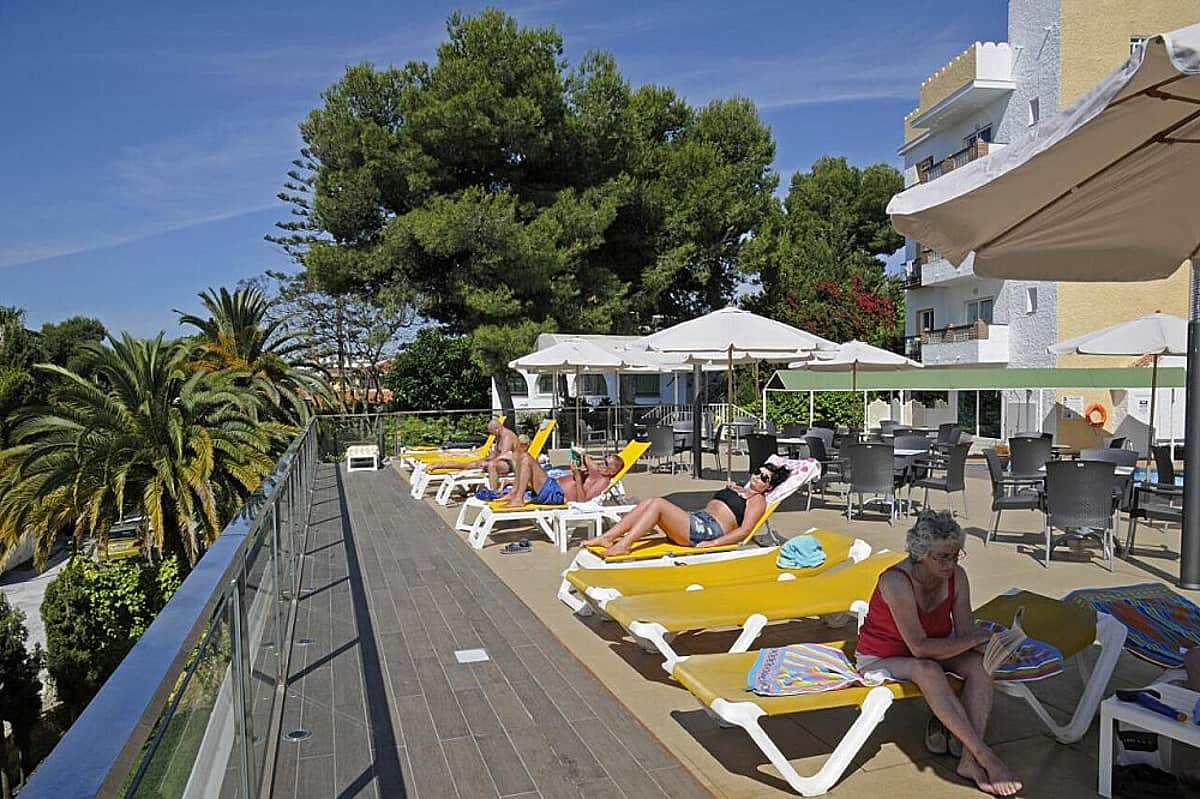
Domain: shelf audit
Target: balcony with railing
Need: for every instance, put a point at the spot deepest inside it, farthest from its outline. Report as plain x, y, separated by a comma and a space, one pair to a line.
977, 343
975, 78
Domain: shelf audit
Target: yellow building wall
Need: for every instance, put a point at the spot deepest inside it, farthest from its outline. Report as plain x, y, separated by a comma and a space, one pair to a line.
1095, 40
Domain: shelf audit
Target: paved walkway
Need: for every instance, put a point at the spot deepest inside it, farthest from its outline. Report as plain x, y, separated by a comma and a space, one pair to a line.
389, 596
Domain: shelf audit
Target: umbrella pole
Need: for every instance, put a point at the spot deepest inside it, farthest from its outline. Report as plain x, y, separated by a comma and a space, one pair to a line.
729, 411
1153, 399
1189, 543
578, 428
697, 424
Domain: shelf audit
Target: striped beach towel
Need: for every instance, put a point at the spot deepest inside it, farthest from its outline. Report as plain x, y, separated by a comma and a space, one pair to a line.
1033, 659
802, 669
1161, 623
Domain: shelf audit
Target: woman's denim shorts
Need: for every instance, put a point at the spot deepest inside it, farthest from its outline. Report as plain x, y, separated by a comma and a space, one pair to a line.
704, 527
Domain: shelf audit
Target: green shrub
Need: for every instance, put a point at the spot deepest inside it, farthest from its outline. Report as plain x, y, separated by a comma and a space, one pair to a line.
20, 694
94, 614
840, 407
436, 372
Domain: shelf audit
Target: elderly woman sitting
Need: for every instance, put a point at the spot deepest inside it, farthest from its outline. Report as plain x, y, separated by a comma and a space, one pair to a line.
919, 627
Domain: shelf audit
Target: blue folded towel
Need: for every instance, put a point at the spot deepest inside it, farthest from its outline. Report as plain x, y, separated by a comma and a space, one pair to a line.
801, 552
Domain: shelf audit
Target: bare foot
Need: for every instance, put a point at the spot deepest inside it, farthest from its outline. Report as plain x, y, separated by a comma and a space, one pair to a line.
620, 548
514, 501
971, 770
1003, 782
598, 541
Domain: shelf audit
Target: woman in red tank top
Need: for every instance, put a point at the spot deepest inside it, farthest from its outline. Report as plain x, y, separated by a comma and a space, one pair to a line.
919, 626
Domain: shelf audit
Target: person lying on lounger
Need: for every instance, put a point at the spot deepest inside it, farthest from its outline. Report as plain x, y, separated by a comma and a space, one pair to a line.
584, 483
919, 626
496, 463
726, 519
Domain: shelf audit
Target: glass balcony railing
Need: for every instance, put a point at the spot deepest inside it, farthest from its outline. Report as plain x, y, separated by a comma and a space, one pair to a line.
195, 706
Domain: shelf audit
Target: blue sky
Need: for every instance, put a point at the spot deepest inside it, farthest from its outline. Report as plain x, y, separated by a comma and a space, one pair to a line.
144, 142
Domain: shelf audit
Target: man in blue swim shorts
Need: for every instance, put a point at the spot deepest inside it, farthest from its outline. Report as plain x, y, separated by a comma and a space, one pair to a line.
586, 482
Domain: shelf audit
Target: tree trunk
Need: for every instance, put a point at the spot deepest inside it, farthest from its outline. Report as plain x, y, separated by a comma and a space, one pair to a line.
506, 400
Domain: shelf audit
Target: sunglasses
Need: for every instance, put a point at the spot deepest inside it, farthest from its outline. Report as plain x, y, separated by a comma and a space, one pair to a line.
764, 475
949, 557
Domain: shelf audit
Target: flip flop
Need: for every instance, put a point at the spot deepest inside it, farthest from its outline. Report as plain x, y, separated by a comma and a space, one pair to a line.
516, 548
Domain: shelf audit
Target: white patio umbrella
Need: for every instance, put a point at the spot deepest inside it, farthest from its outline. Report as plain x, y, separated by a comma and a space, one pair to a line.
855, 356
1155, 334
738, 335
578, 354
1103, 191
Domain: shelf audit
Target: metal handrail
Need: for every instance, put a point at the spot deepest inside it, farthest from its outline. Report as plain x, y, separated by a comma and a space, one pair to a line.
103, 747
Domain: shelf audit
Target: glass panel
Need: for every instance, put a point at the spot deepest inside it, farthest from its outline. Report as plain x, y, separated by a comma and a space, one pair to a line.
593, 386
197, 739
263, 622
545, 384
645, 385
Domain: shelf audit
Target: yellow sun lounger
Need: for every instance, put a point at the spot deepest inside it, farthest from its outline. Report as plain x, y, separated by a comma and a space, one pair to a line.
719, 682
660, 549
586, 589
469, 478
479, 528
654, 619
417, 457
425, 477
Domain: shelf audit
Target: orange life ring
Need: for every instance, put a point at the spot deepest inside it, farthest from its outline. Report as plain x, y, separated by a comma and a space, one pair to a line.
1096, 415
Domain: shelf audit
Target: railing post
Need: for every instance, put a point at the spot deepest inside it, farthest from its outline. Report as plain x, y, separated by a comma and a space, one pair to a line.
244, 730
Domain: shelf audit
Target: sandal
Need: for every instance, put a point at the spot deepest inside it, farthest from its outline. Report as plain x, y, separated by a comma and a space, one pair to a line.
936, 737
516, 548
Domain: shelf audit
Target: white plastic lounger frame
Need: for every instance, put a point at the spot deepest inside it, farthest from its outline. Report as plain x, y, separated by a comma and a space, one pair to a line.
422, 479
1110, 635
548, 518
653, 637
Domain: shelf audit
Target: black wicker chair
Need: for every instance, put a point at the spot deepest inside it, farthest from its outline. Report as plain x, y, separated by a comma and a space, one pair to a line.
871, 472
1079, 501
833, 469
1161, 501
662, 447
1009, 493
953, 480
1027, 455
760, 447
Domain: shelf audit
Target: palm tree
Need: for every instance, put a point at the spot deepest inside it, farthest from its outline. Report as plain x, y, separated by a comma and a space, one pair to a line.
148, 435
238, 336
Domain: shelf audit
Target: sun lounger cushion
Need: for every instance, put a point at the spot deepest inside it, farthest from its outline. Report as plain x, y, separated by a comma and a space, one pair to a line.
678, 575
803, 669
1160, 621
723, 676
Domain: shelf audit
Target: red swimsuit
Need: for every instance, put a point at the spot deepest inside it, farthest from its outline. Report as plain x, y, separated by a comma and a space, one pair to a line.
879, 636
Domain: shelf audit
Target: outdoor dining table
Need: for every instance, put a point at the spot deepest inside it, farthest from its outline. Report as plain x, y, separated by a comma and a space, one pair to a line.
793, 445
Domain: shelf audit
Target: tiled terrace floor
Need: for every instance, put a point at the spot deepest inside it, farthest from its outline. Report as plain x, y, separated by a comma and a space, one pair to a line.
389, 595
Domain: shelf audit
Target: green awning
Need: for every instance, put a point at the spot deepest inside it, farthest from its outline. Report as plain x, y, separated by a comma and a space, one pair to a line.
972, 379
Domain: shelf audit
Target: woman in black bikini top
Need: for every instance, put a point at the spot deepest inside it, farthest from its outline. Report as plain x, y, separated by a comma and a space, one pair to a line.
726, 519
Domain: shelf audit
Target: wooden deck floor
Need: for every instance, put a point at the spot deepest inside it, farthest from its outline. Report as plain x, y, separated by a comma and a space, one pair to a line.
389, 596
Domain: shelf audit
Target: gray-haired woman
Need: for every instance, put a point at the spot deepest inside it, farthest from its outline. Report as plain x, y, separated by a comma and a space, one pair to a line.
919, 626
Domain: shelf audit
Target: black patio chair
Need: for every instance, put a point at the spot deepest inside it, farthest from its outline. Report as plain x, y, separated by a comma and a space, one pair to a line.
760, 447
1079, 501
793, 430
1122, 483
826, 435
1118, 442
662, 447
1165, 465
906, 467
947, 436
833, 469
872, 473
1009, 493
1028, 455
1153, 502
954, 477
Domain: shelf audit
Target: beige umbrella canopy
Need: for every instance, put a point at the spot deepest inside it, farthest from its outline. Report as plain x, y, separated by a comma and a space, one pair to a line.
738, 336
1155, 334
1103, 191
855, 356
573, 354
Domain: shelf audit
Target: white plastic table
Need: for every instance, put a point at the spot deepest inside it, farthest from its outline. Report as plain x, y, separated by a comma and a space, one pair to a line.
1113, 710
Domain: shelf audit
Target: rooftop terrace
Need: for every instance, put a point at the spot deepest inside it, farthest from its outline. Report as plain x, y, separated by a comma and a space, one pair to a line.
390, 598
